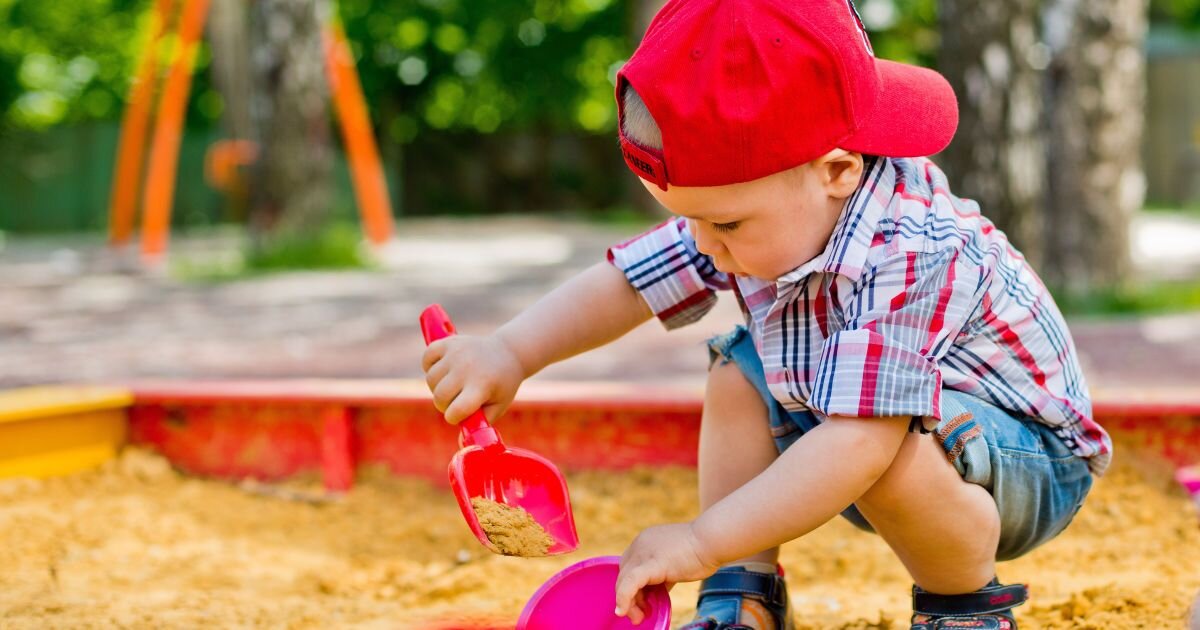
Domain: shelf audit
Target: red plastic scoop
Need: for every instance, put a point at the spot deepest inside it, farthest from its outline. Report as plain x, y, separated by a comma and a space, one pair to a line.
485, 467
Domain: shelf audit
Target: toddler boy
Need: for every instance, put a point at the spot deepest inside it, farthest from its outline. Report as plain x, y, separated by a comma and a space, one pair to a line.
900, 363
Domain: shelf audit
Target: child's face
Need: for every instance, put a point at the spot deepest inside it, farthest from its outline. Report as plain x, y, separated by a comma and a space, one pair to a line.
769, 226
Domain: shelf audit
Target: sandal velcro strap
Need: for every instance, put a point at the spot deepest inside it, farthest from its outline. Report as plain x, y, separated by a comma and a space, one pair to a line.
709, 624
993, 598
770, 588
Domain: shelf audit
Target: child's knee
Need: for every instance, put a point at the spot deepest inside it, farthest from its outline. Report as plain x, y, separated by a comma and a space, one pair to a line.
921, 476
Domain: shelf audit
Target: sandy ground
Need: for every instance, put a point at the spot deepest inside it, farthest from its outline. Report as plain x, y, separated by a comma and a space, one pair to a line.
136, 545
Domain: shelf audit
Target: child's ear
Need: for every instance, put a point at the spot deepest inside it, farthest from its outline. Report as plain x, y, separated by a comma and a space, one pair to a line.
841, 171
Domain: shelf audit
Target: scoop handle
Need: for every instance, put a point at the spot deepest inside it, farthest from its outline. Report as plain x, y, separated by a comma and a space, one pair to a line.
435, 325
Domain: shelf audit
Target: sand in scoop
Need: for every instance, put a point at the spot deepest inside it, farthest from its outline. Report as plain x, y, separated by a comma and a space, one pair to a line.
511, 529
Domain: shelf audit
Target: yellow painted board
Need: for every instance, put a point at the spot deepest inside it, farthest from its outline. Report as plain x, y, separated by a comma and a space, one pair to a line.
46, 431
55, 400
59, 462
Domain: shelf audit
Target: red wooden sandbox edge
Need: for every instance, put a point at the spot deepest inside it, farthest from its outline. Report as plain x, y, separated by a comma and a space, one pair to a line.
273, 429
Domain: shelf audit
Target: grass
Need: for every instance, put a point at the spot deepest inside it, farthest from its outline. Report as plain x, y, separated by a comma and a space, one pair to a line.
1140, 298
1134, 299
1188, 209
337, 246
621, 216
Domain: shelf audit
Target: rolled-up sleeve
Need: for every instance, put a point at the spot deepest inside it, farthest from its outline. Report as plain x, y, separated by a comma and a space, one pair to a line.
904, 317
676, 281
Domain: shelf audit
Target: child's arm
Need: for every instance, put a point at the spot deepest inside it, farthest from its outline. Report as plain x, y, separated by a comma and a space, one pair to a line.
467, 373
811, 482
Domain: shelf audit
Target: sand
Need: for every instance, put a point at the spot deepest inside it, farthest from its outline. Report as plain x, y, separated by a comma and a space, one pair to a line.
512, 530
136, 545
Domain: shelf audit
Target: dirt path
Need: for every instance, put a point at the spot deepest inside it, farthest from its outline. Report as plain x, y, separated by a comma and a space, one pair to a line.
65, 315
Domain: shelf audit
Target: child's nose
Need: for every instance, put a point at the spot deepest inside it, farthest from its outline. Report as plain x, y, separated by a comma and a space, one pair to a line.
706, 242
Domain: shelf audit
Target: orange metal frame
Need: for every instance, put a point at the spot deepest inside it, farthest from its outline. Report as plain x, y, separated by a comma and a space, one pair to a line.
131, 144
370, 185
168, 133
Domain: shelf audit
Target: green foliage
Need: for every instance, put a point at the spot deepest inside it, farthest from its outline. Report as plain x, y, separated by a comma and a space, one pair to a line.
456, 65
1181, 13
68, 62
64, 62
902, 30
450, 83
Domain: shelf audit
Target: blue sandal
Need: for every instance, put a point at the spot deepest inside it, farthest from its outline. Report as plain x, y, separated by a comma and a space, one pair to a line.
723, 595
989, 608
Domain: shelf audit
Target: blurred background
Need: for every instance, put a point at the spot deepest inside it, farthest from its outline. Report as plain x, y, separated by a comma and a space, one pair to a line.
324, 169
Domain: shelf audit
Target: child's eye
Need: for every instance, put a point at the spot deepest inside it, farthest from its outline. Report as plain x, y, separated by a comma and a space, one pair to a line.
726, 227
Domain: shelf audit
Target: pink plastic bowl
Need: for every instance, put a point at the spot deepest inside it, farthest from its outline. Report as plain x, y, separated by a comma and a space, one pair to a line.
583, 596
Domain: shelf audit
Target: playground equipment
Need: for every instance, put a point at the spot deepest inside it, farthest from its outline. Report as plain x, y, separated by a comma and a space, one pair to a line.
167, 113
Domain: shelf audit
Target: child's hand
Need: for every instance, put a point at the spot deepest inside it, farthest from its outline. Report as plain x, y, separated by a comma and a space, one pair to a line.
466, 373
665, 554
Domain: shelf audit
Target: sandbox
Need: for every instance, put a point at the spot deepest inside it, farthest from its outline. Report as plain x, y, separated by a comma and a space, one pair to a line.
140, 543
136, 544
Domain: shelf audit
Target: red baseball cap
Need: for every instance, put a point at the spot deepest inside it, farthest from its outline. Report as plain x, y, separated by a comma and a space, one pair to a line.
742, 89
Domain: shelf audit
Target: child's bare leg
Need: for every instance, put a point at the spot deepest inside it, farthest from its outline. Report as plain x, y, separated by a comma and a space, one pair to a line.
944, 529
735, 441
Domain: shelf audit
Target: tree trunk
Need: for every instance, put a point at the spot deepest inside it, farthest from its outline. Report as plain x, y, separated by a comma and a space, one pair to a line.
639, 15
991, 55
293, 182
229, 37
1097, 87
231, 64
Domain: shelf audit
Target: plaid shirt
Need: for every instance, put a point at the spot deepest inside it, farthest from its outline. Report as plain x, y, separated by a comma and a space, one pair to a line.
915, 291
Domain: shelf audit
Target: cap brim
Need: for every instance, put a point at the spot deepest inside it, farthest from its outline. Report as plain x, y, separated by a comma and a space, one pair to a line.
916, 115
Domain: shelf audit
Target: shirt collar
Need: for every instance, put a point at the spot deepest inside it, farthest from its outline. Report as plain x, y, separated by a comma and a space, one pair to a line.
848, 246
